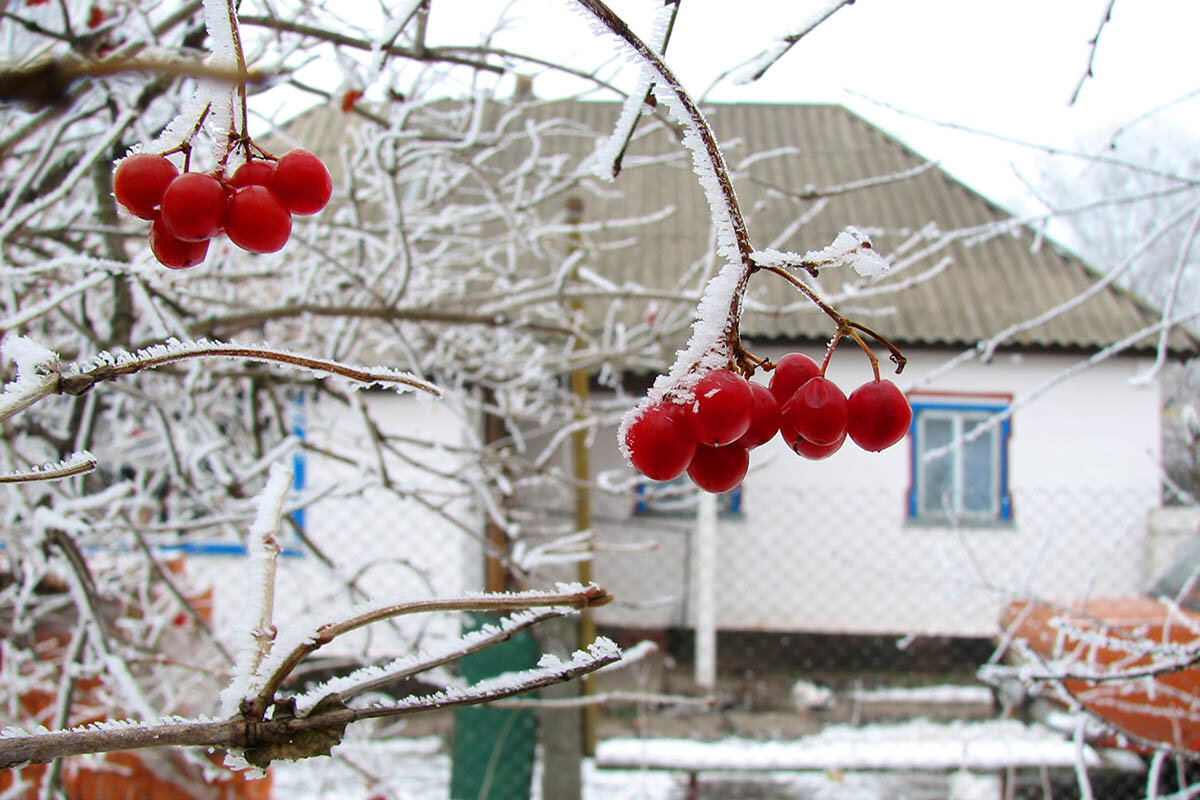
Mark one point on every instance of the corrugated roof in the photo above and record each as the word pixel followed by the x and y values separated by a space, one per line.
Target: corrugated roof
pixel 819 150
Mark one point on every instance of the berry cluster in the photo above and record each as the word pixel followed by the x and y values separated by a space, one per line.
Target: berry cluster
pixel 253 208
pixel 712 436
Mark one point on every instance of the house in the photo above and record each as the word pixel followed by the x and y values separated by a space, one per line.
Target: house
pixel 1051 500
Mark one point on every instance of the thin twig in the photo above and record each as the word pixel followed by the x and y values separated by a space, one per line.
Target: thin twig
pixel 1092 43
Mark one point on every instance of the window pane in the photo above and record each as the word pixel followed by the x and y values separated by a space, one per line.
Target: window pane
pixel 979 470
pixel 937 476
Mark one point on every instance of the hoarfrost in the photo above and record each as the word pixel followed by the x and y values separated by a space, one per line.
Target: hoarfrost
pixel 260 577
pixel 851 248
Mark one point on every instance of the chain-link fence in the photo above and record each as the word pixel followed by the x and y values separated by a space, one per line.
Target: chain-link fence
pixel 827 607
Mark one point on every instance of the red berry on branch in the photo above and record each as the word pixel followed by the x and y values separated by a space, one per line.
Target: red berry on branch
pixel 350 98
pixel 724 407
pixel 878 415
pixel 661 442
pixel 764 423
pixel 302 182
pixel 802 447
pixel 174 252
pixel 95 16
pixel 817 411
pixel 193 207
pixel 252 173
pixel 139 183
pixel 256 220
pixel 791 372
pixel 718 469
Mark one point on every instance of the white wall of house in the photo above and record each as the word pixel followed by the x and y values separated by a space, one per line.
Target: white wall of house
pixel 819 546
pixel 389 546
pixel 827 546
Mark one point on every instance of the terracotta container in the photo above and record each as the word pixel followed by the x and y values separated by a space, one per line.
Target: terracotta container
pixel 1157 702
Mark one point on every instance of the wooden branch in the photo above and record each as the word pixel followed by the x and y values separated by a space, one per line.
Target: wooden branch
pixel 285 736
pixel 77 464
pixel 589 596
pixel 229 324
pixel 425 54
pixel 84 381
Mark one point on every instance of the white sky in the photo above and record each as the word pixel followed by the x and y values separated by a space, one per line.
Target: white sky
pixel 1007 67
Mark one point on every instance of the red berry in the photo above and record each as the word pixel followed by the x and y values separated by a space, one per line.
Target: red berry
pixel 817 411
pixel 252 173
pixel 140 181
pixel 764 423
pixel 724 407
pixel 193 207
pixel 172 252
pixel 257 221
pixel 791 372
pixel 718 469
pixel 662 441
pixel 802 447
pixel 95 16
pixel 302 182
pixel 878 415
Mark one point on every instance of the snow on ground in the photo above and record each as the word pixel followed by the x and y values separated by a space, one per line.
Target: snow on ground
pixel 915 760
pixel 416 770
pixel 919 744
pixel 926 695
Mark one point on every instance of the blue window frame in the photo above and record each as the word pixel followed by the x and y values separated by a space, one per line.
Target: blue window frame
pixel 299 423
pixel 677 498
pixel 959 459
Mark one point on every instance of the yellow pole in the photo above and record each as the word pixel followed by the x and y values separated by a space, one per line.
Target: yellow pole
pixel 583 497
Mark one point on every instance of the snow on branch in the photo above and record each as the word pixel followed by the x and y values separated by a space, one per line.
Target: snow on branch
pixel 377 676
pixel 606 161
pixel 758 66
pixel 78 463
pixel 851 248
pixel 550 669
pixel 258 632
pixel 37 374
pixel 303 638
pixel 107 366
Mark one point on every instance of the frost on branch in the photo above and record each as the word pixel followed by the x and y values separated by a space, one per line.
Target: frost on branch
pixel 75 464
pixel 604 160
pixel 851 248
pixel 37 374
pixel 255 634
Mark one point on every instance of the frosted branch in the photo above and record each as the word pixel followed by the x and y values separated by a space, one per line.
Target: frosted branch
pixel 37 374
pixel 106 366
pixel 79 463
pixel 758 66
pixel 1092 44
pixel 851 248
pixel 263 547
pixel 299 642
pixel 377 677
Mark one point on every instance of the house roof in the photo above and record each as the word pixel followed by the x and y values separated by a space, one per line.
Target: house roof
pixel 820 165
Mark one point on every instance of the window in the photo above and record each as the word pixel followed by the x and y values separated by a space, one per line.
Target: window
pixel 677 498
pixel 959 459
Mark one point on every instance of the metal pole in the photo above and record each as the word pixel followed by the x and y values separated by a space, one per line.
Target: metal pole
pixel 581 464
pixel 704 579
